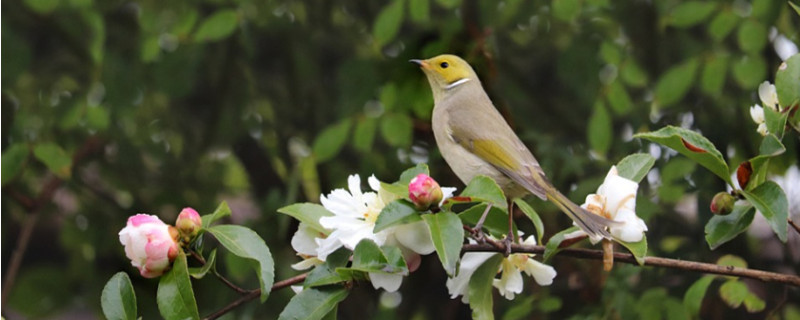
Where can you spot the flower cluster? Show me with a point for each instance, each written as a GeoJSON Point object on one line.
{"type": "Point", "coordinates": [769, 97]}
{"type": "Point", "coordinates": [152, 245]}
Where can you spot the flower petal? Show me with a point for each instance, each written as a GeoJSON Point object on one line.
{"type": "Point", "coordinates": [415, 236]}
{"type": "Point", "coordinates": [542, 273]}
{"type": "Point", "coordinates": [387, 281]}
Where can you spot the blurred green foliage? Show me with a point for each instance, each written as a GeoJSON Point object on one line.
{"type": "Point", "coordinates": [265, 104]}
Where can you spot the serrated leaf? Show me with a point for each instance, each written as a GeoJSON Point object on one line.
{"type": "Point", "coordinates": [396, 213]}
{"type": "Point", "coordinates": [56, 159]}
{"type": "Point", "coordinates": [693, 299]}
{"type": "Point", "coordinates": [199, 273]}
{"type": "Point", "coordinates": [692, 145]}
{"type": "Point", "coordinates": [483, 188]}
{"type": "Point", "coordinates": [675, 83]}
{"type": "Point", "coordinates": [247, 244]}
{"type": "Point", "coordinates": [635, 167]}
{"type": "Point", "coordinates": [771, 201]}
{"type": "Point", "coordinates": [721, 229]}
{"type": "Point", "coordinates": [447, 234]}
{"type": "Point", "coordinates": [787, 80]}
{"type": "Point", "coordinates": [531, 214]}
{"type": "Point", "coordinates": [331, 140]}
{"type": "Point", "coordinates": [175, 295]}
{"type": "Point", "coordinates": [599, 129]}
{"type": "Point", "coordinates": [218, 26]}
{"type": "Point", "coordinates": [690, 13]}
{"type": "Point", "coordinates": [397, 129]}
{"type": "Point", "coordinates": [388, 22]}
{"type": "Point", "coordinates": [13, 160]}
{"type": "Point", "coordinates": [118, 298]}
{"type": "Point", "coordinates": [551, 248]}
{"type": "Point", "coordinates": [313, 303]}
{"type": "Point", "coordinates": [733, 293]}
{"type": "Point", "coordinates": [308, 213]}
{"type": "Point", "coordinates": [222, 211]}
{"type": "Point", "coordinates": [480, 288]}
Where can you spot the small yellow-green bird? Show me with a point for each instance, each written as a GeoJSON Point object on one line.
{"type": "Point", "coordinates": [474, 139]}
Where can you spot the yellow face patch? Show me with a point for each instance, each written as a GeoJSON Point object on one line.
{"type": "Point", "coordinates": [449, 68]}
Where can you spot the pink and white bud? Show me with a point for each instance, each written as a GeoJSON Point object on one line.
{"type": "Point", "coordinates": [150, 244]}
{"type": "Point", "coordinates": [424, 191]}
{"type": "Point", "coordinates": [189, 223]}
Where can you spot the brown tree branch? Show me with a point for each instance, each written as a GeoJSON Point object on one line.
{"type": "Point", "coordinates": [255, 294]}
{"type": "Point", "coordinates": [794, 225]}
{"type": "Point", "coordinates": [649, 261]}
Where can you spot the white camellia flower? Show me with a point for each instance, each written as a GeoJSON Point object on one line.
{"type": "Point", "coordinates": [768, 95]}
{"type": "Point", "coordinates": [354, 216]}
{"type": "Point", "coordinates": [511, 269]}
{"type": "Point", "coordinates": [616, 200]}
{"type": "Point", "coordinates": [757, 113]}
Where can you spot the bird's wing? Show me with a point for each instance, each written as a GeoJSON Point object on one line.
{"type": "Point", "coordinates": [490, 138]}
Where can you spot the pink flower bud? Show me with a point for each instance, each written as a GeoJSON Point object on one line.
{"type": "Point", "coordinates": [150, 244]}
{"type": "Point", "coordinates": [424, 191]}
{"type": "Point", "coordinates": [188, 223]}
{"type": "Point", "coordinates": [722, 203]}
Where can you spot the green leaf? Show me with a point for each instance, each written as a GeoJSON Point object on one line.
{"type": "Point", "coordinates": [599, 129]}
{"type": "Point", "coordinates": [566, 10]}
{"type": "Point", "coordinates": [638, 249]}
{"type": "Point", "coordinates": [55, 158]}
{"type": "Point", "coordinates": [411, 173]}
{"type": "Point", "coordinates": [611, 52]}
{"type": "Point", "coordinates": [776, 121]}
{"type": "Point", "coordinates": [480, 288]}
{"type": "Point", "coordinates": [42, 6]}
{"type": "Point", "coordinates": [199, 273]}
{"type": "Point", "coordinates": [752, 36]}
{"type": "Point", "coordinates": [675, 83]}
{"type": "Point", "coordinates": [635, 167]}
{"type": "Point", "coordinates": [218, 26]}
{"type": "Point", "coordinates": [447, 234]}
{"type": "Point", "coordinates": [326, 274]}
{"type": "Point", "coordinates": [693, 299]}
{"type": "Point", "coordinates": [537, 221]}
{"type": "Point", "coordinates": [368, 257]}
{"type": "Point", "coordinates": [397, 129]}
{"type": "Point", "coordinates": [222, 211]}
{"type": "Point", "coordinates": [722, 25]}
{"type": "Point", "coordinates": [733, 293]}
{"type": "Point", "coordinates": [732, 261]}
{"type": "Point", "coordinates": [308, 213]}
{"type": "Point", "coordinates": [633, 74]}
{"type": "Point", "coordinates": [97, 118]}
{"type": "Point", "coordinates": [712, 79]}
{"type": "Point", "coordinates": [551, 248]}
{"type": "Point", "coordinates": [419, 10]}
{"type": "Point", "coordinates": [690, 13]}
{"type": "Point", "coordinates": [388, 96]}
{"type": "Point", "coordinates": [692, 145]}
{"type": "Point", "coordinates": [13, 160]}
{"type": "Point", "coordinates": [175, 296]}
{"type": "Point", "coordinates": [396, 213]}
{"type": "Point", "coordinates": [749, 71]}
{"type": "Point", "coordinates": [245, 243]}
{"type": "Point", "coordinates": [721, 229]}
{"type": "Point", "coordinates": [795, 7]}
{"type": "Point", "coordinates": [364, 134]}
{"type": "Point", "coordinates": [483, 188]}
{"type": "Point", "coordinates": [771, 146]}
{"type": "Point", "coordinates": [449, 4]}
{"type": "Point", "coordinates": [496, 222]}
{"type": "Point", "coordinates": [118, 299]}
{"type": "Point", "coordinates": [313, 303]}
{"type": "Point", "coordinates": [787, 81]}
{"type": "Point", "coordinates": [753, 303]}
{"type": "Point", "coordinates": [388, 23]}
{"type": "Point", "coordinates": [771, 201]}
{"type": "Point", "coordinates": [618, 98]}
{"type": "Point", "coordinates": [331, 140]}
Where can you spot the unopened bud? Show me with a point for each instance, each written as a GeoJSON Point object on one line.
{"type": "Point", "coordinates": [424, 191]}
{"type": "Point", "coordinates": [722, 203]}
{"type": "Point", "coordinates": [188, 223]}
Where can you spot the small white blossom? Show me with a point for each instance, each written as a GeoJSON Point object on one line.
{"type": "Point", "coordinates": [757, 113]}
{"type": "Point", "coordinates": [616, 200]}
{"type": "Point", "coordinates": [768, 95]}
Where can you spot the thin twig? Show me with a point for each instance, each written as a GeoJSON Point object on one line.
{"type": "Point", "coordinates": [255, 294]}
{"type": "Point", "coordinates": [794, 225]}
{"type": "Point", "coordinates": [222, 278]}
{"type": "Point", "coordinates": [650, 261]}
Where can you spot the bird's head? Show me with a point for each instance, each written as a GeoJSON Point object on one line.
{"type": "Point", "coordinates": [446, 72]}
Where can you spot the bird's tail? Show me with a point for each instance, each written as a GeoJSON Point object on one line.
{"type": "Point", "coordinates": [592, 224]}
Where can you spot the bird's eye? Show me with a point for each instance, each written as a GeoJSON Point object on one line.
{"type": "Point", "coordinates": [444, 65]}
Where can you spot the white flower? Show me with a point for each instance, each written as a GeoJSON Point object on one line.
{"type": "Point", "coordinates": [757, 113]}
{"type": "Point", "coordinates": [616, 200]}
{"type": "Point", "coordinates": [304, 243]}
{"type": "Point", "coordinates": [511, 269]}
{"type": "Point", "coordinates": [768, 95]}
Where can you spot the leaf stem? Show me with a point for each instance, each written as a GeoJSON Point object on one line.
{"type": "Point", "coordinates": [255, 294]}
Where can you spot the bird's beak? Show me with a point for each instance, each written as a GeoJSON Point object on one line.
{"type": "Point", "coordinates": [421, 63]}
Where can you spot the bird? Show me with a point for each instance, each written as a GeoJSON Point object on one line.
{"type": "Point", "coordinates": [474, 139]}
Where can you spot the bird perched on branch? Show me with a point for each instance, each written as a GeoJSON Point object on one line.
{"type": "Point", "coordinates": [474, 139]}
